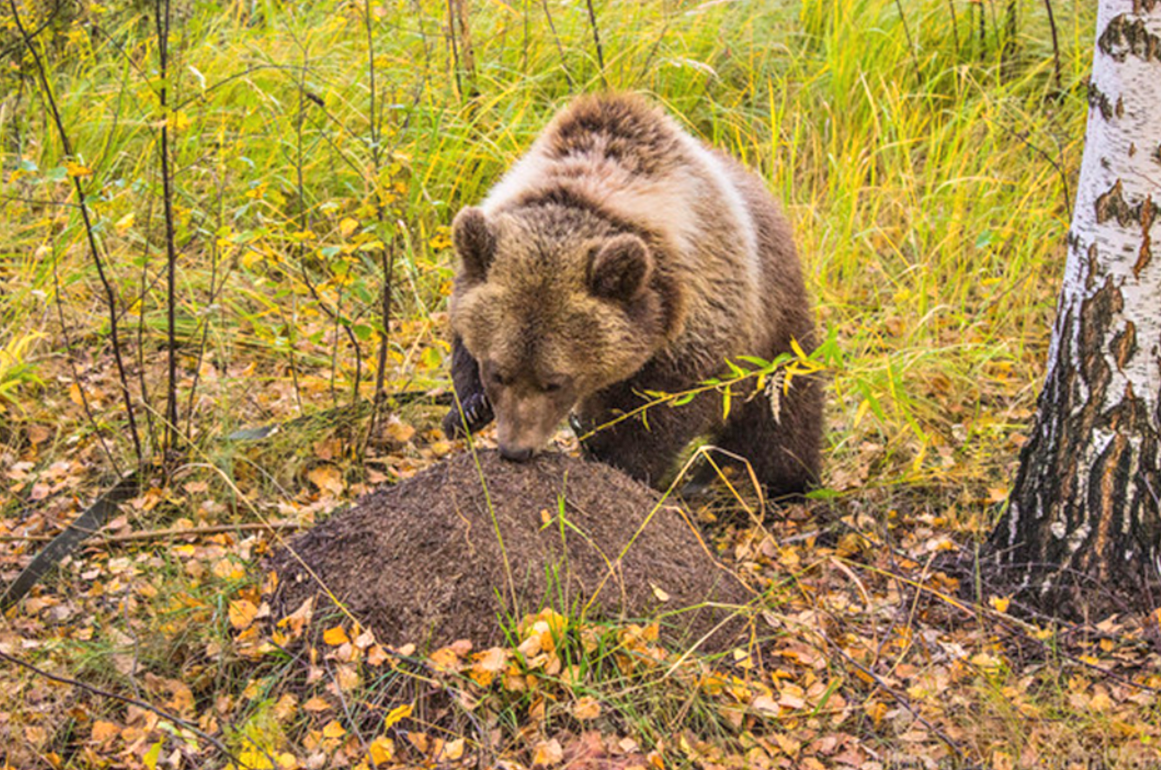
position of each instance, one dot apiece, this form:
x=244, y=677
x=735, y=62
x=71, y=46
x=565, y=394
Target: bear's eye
x=499, y=379
x=554, y=383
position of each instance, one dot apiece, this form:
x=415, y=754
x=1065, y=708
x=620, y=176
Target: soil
x=421, y=562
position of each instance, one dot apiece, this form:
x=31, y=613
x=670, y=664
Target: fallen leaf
x=382, y=750
x=548, y=753
x=586, y=708
x=396, y=714
x=327, y=478
x=242, y=613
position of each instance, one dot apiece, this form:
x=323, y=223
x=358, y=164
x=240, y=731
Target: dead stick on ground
x=951, y=744
x=160, y=533
x=132, y=701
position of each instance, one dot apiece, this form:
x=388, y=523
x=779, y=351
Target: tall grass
x=924, y=168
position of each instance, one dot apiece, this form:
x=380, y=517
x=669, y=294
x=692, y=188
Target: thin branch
x=161, y=20
x=1055, y=46
x=597, y=41
x=451, y=30
x=193, y=728
x=106, y=284
x=158, y=534
x=910, y=41
x=954, y=26
x=559, y=47
x=902, y=701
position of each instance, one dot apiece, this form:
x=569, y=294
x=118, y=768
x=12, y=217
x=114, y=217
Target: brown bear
x=621, y=256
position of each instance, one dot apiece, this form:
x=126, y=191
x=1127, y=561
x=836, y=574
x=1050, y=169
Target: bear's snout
x=516, y=454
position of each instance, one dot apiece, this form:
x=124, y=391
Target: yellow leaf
x=242, y=613
x=335, y=636
x=586, y=708
x=396, y=714
x=255, y=758
x=876, y=710
x=798, y=351
x=77, y=169
x=398, y=431
x=151, y=756
x=861, y=412
x=327, y=478
x=382, y=750
x=1000, y=604
x=348, y=226
x=334, y=730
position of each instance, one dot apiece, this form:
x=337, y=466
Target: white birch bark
x=1083, y=514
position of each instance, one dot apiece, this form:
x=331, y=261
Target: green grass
x=925, y=183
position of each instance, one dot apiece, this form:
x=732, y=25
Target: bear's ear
x=621, y=269
x=475, y=243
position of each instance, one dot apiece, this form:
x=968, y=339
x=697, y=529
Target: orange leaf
x=586, y=708
x=105, y=731
x=316, y=704
x=242, y=613
x=336, y=636
x=327, y=478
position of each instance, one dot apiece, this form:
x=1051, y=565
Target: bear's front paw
x=477, y=414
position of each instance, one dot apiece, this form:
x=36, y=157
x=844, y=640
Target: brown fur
x=621, y=256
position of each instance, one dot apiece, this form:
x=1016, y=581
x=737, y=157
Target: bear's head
x=555, y=304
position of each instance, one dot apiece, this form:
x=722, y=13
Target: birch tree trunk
x=1082, y=525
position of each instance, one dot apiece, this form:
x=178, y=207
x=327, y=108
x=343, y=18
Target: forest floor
x=925, y=153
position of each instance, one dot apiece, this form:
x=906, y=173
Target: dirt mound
x=422, y=562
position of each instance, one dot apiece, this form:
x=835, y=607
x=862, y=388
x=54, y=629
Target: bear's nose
x=515, y=454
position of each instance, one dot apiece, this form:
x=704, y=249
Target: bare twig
x=559, y=47
x=902, y=701
x=193, y=728
x=451, y=31
x=910, y=41
x=158, y=534
x=94, y=251
x=161, y=21
x=954, y=26
x=1055, y=46
x=597, y=41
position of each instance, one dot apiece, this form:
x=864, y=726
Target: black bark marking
x=1124, y=345
x=1099, y=100
x=1125, y=36
x=1145, y=253
x=1088, y=558
x=1112, y=204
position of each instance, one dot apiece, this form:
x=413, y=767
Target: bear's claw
x=477, y=413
